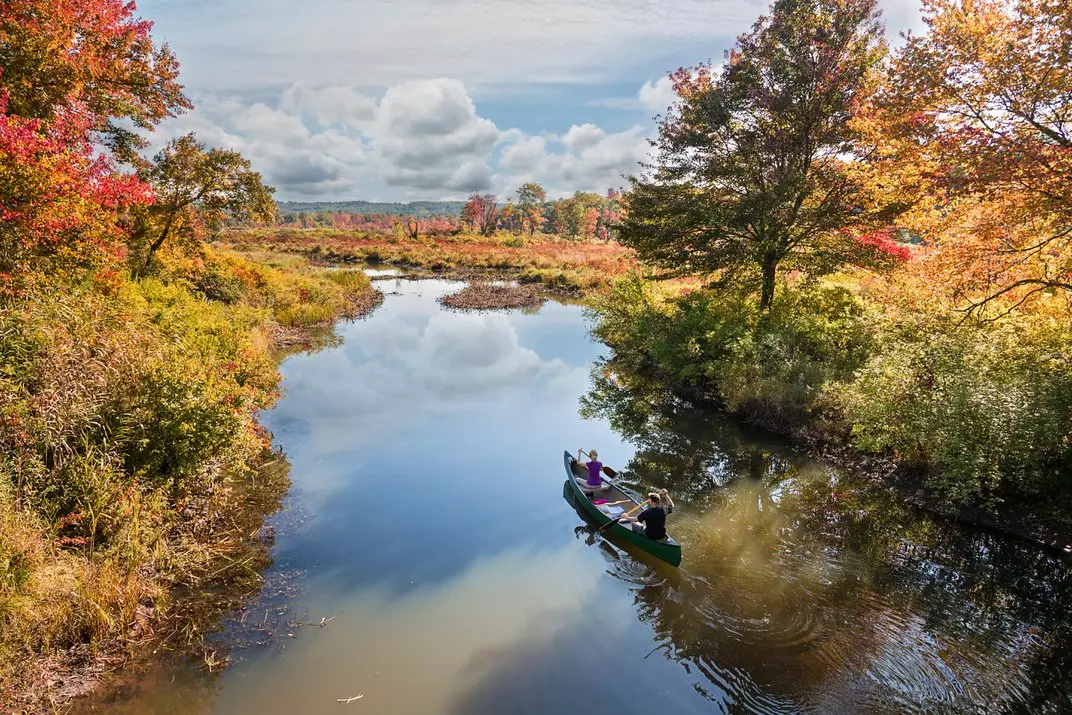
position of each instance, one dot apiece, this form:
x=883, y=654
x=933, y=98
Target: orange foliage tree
x=972, y=132
x=751, y=175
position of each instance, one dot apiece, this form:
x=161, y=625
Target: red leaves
x=96, y=53
x=58, y=198
x=68, y=68
x=691, y=81
x=880, y=247
x=480, y=212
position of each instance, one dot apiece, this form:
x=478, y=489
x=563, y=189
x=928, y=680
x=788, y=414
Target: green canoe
x=666, y=549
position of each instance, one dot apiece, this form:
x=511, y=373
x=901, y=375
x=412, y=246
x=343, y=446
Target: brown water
x=426, y=521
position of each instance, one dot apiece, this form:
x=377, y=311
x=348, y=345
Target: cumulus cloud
x=423, y=139
x=427, y=135
x=656, y=96
x=653, y=97
x=523, y=155
x=585, y=158
x=583, y=136
x=338, y=104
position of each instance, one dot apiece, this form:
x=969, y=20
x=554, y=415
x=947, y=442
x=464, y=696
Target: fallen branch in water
x=349, y=700
x=323, y=622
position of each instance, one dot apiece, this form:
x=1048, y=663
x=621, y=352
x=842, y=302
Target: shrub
x=126, y=428
x=986, y=409
x=771, y=368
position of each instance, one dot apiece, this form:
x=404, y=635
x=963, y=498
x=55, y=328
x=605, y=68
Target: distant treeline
x=584, y=215
x=413, y=208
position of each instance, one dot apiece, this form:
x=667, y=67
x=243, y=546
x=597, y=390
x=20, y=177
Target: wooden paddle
x=628, y=513
x=606, y=470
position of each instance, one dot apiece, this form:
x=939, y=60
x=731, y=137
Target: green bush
x=987, y=410
x=126, y=433
x=773, y=368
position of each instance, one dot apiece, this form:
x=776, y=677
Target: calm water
x=427, y=521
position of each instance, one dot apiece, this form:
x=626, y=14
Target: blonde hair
x=594, y=453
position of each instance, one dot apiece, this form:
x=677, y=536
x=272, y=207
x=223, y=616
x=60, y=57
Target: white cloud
x=523, y=156
x=427, y=135
x=657, y=96
x=585, y=158
x=654, y=97
x=337, y=104
x=583, y=136
x=424, y=138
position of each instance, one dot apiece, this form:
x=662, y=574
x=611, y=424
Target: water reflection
x=426, y=518
x=810, y=589
x=419, y=364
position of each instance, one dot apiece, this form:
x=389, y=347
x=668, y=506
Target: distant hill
x=413, y=208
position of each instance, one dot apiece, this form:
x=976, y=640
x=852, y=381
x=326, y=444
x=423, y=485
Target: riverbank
x=563, y=266
x=967, y=420
x=137, y=471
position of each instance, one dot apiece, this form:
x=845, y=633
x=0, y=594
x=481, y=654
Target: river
x=427, y=528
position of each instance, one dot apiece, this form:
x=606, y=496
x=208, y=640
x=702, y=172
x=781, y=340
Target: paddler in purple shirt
x=595, y=472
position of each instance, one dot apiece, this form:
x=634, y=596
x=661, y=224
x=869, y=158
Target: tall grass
x=565, y=265
x=128, y=434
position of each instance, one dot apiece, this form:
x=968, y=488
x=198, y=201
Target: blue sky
x=398, y=100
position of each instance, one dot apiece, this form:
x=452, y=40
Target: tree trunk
x=153, y=248
x=770, y=268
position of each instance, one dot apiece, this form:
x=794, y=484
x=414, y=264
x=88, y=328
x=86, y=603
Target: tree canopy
x=753, y=172
x=196, y=189
x=70, y=69
x=972, y=129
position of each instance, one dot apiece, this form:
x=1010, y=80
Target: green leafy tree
x=197, y=190
x=751, y=174
x=578, y=215
x=530, y=200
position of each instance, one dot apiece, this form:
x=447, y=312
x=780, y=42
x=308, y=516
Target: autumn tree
x=974, y=129
x=91, y=56
x=510, y=217
x=481, y=212
x=58, y=201
x=530, y=200
x=751, y=175
x=68, y=71
x=578, y=215
x=196, y=189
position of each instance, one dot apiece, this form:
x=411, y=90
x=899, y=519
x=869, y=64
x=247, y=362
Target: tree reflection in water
x=805, y=587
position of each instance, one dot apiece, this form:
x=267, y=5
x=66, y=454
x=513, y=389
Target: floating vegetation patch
x=487, y=296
